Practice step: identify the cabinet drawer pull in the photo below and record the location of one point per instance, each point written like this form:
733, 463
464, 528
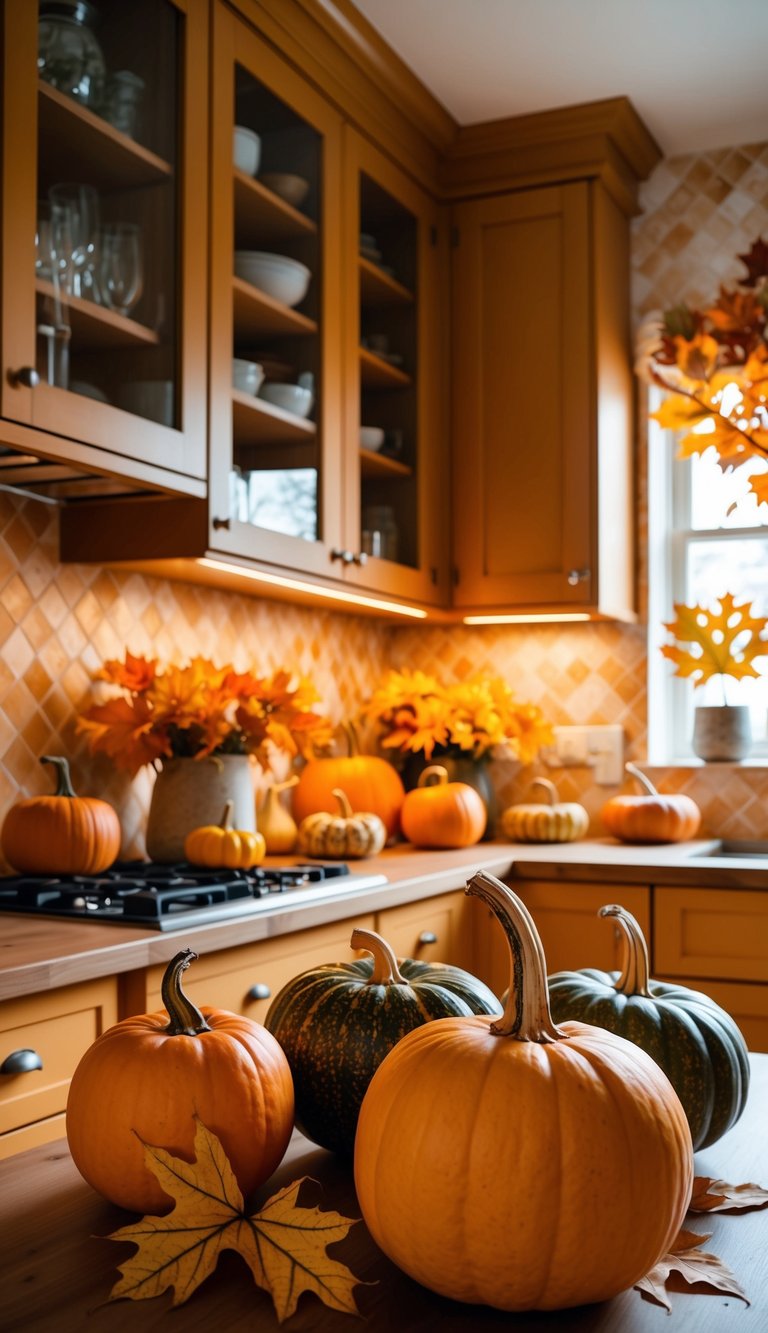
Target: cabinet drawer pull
221, 523
578, 576
26, 376
260, 991
427, 937
21, 1062
346, 557
361, 558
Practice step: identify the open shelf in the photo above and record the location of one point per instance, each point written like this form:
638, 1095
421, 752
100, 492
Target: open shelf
256, 314
259, 212
81, 146
96, 327
378, 288
378, 374
256, 421
378, 465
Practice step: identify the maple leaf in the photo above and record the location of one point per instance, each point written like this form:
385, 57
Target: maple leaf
719, 637
717, 1196
756, 263
696, 1268
283, 1245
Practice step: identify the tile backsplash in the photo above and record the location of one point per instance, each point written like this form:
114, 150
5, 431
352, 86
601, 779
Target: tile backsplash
58, 623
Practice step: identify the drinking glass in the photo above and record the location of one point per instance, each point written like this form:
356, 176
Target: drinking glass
75, 208
121, 276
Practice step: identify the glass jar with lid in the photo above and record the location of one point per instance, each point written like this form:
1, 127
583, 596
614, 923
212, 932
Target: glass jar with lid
69, 56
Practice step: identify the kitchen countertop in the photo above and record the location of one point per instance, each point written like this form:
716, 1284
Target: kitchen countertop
56, 1274
40, 953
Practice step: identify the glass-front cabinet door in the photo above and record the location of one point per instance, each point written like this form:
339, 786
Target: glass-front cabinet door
104, 234
396, 450
276, 332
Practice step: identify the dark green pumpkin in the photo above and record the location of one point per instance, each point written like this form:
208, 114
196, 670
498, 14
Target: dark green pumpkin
336, 1023
696, 1043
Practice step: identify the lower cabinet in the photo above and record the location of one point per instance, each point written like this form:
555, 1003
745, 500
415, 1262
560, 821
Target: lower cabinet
42, 1038
435, 930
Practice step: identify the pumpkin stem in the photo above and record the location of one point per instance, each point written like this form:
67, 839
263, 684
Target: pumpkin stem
434, 776
343, 800
644, 781
526, 1014
385, 969
549, 788
185, 1017
635, 971
226, 818
63, 780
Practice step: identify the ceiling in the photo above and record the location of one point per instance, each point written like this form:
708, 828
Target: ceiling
695, 70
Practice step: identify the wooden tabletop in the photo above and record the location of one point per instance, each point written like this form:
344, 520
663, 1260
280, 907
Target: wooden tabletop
56, 1274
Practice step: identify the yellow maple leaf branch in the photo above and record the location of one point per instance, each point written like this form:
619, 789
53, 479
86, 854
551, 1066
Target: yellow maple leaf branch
723, 643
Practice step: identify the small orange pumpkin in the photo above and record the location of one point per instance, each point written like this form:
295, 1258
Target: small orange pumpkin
439, 813
651, 817
147, 1078
63, 834
219, 845
370, 783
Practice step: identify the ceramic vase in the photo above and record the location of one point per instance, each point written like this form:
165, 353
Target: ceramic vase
722, 732
191, 792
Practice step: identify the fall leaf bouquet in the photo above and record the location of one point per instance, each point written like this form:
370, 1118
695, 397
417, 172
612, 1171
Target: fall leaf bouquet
199, 710
716, 642
416, 713
713, 363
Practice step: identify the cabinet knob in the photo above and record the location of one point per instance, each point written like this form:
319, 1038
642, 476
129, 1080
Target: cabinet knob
346, 557
222, 523
260, 991
26, 376
427, 937
361, 558
578, 576
21, 1062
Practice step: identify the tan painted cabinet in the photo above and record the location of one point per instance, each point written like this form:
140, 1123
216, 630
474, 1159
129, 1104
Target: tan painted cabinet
542, 403
104, 242
434, 930
42, 1038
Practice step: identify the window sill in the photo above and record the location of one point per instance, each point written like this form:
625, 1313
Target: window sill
658, 766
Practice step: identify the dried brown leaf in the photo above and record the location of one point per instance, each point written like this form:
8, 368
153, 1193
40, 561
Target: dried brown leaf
717, 1196
687, 1266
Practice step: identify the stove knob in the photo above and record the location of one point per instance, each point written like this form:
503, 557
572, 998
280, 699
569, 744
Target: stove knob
259, 992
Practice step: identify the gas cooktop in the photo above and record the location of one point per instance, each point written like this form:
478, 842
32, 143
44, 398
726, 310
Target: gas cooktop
174, 897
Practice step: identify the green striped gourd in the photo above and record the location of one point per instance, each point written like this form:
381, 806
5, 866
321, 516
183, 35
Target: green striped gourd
696, 1043
336, 1022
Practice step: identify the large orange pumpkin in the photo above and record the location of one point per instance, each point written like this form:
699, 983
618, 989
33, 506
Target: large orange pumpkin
370, 784
63, 834
651, 817
519, 1164
439, 813
147, 1078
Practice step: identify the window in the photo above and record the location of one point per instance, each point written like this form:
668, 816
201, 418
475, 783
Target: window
707, 535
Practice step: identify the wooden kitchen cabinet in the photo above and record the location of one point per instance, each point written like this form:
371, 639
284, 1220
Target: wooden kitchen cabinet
434, 930
103, 366
57, 1027
542, 403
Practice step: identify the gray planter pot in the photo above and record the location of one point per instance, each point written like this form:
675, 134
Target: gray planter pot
722, 733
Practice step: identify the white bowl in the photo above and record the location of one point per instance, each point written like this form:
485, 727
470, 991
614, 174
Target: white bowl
291, 397
371, 437
247, 150
281, 278
292, 189
247, 376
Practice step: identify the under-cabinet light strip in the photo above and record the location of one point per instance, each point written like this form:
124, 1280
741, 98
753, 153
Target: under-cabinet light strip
523, 619
296, 585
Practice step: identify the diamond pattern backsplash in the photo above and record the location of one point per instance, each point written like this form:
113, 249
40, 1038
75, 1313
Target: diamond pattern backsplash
58, 623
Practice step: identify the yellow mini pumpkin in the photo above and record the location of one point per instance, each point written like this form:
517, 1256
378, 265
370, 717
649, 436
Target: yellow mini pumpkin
553, 821
348, 834
218, 845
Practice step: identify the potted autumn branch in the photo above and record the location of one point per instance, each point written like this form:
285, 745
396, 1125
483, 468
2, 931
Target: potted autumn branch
724, 642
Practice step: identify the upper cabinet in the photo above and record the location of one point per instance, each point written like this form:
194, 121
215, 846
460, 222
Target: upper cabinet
104, 244
542, 403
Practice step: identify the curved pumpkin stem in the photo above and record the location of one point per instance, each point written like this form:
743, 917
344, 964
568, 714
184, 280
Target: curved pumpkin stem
636, 969
225, 822
644, 781
549, 788
344, 807
385, 969
63, 780
436, 772
185, 1017
526, 1014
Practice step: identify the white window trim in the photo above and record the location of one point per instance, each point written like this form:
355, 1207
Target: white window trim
671, 699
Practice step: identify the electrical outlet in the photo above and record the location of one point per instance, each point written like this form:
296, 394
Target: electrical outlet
598, 747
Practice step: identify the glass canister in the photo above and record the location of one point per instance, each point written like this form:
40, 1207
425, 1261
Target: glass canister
68, 54
380, 534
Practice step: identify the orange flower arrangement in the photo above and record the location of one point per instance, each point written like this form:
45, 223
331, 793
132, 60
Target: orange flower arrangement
199, 710
415, 712
713, 363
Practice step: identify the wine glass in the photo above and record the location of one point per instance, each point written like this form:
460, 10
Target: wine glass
75, 213
121, 277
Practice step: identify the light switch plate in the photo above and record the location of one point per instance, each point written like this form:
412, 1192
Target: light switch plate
597, 747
